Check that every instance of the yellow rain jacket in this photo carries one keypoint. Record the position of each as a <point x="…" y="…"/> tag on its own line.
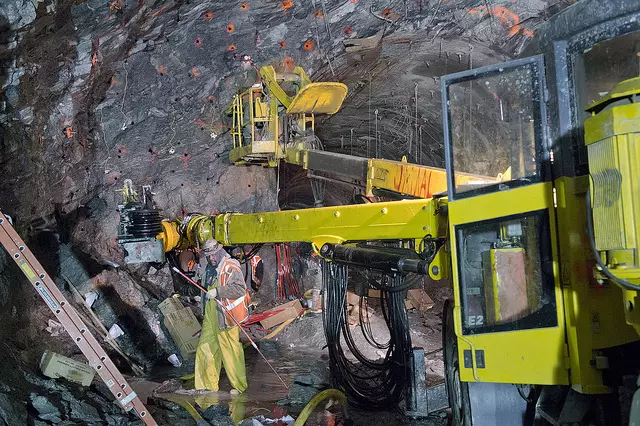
<point x="220" y="345"/>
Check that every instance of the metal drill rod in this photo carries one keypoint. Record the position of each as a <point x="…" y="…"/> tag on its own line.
<point x="190" y="281"/>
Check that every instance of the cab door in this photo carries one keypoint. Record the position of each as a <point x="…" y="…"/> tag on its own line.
<point x="508" y="314"/>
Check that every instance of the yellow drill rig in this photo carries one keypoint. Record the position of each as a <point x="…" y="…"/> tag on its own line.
<point x="543" y="260"/>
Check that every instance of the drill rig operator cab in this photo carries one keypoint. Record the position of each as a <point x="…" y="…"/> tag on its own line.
<point x="542" y="325"/>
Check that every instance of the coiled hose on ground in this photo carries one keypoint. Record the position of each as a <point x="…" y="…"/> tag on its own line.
<point x="325" y="394"/>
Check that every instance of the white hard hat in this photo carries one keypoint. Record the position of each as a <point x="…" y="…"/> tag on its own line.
<point x="211" y="246"/>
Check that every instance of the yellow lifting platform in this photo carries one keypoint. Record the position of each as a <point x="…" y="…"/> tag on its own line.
<point x="261" y="114"/>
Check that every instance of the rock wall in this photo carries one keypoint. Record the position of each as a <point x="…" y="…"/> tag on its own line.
<point x="96" y="91"/>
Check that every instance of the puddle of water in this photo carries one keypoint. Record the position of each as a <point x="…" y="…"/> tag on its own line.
<point x="265" y="389"/>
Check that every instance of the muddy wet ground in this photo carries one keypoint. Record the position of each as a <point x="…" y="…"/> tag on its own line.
<point x="266" y="396"/>
<point x="299" y="357"/>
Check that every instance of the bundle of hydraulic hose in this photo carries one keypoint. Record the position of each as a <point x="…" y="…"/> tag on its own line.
<point x="367" y="383"/>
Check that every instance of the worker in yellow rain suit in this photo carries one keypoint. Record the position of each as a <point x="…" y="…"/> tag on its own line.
<point x="220" y="338"/>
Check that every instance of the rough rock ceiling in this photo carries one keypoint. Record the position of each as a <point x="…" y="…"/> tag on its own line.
<point x="96" y="91"/>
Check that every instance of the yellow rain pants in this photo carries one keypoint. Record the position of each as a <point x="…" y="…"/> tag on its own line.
<point x="218" y="348"/>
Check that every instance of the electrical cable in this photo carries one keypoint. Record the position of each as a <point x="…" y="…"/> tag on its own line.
<point x="365" y="326"/>
<point x="248" y="256"/>
<point x="428" y="253"/>
<point x="626" y="285"/>
<point x="317" y="185"/>
<point x="521" y="392"/>
<point x="368" y="383"/>
<point x="287" y="282"/>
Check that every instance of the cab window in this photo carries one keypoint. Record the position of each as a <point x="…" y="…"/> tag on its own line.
<point x="495" y="125"/>
<point x="506" y="274"/>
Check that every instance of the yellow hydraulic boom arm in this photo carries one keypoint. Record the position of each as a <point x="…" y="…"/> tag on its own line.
<point x="395" y="220"/>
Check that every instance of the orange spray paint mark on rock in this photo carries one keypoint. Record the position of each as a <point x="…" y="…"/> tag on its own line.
<point x="198" y="42"/>
<point x="162" y="70"/>
<point x="116" y="6"/>
<point x="308" y="45"/>
<point x="200" y="123"/>
<point x="159" y="11"/>
<point x="208" y="15"/>
<point x="282" y="44"/>
<point x="244" y="6"/>
<point x="288" y="63"/>
<point x="387" y="12"/>
<point x="511" y="19"/>
<point x="195" y="73"/>
<point x="232" y="47"/>
<point x="122" y="150"/>
<point x="230" y="27"/>
<point x="112" y="178"/>
<point x="154" y="154"/>
<point x="286" y="5"/>
<point x="185" y="158"/>
<point x="319" y="14"/>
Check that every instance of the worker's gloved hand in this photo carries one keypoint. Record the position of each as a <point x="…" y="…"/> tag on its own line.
<point x="211" y="294"/>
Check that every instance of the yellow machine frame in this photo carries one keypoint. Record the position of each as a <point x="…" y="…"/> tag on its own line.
<point x="395" y="176"/>
<point x="594" y="320"/>
<point x="409" y="219"/>
<point x="259" y="112"/>
<point x="588" y="314"/>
